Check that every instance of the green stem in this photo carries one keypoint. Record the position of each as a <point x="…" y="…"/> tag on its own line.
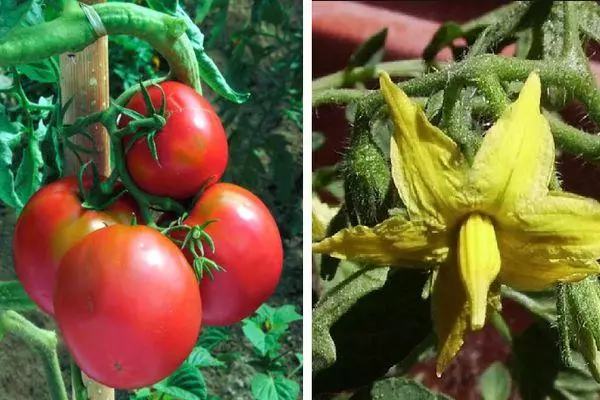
<point x="501" y="326"/>
<point x="42" y="341"/>
<point x="79" y="389"/>
<point x="499" y="30"/>
<point x="412" y="357"/>
<point x="71" y="32"/>
<point x="405" y="68"/>
<point x="337" y="96"/>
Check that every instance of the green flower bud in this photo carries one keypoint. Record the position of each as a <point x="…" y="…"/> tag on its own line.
<point x="579" y="321"/>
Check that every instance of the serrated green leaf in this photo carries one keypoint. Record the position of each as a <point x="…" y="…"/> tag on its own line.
<point x="10" y="137"/>
<point x="13" y="13"/>
<point x="209" y="72"/>
<point x="212" y="336"/>
<point x="41" y="71"/>
<point x="255" y="335"/>
<point x="201" y="358"/>
<point x="187" y="383"/>
<point x="14" y="297"/>
<point x="536" y="365"/>
<point x="202" y="10"/>
<point x="164" y="6"/>
<point x="277" y="387"/>
<point x="495" y="382"/>
<point x="29" y="176"/>
<point x="443" y="37"/>
<point x="370" y="52"/>
<point x="398" y="388"/>
<point x="282" y="317"/>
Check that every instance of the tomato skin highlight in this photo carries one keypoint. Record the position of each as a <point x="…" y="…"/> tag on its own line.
<point x="128" y="306"/>
<point x="247" y="245"/>
<point x="52" y="221"/>
<point x="192" y="146"/>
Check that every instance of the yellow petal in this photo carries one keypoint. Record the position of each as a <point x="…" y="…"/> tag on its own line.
<point x="450" y="313"/>
<point x="322" y="214"/>
<point x="522" y="271"/>
<point x="393" y="241"/>
<point x="427" y="166"/>
<point x="558" y="227"/>
<point x="479" y="262"/>
<point x="517" y="154"/>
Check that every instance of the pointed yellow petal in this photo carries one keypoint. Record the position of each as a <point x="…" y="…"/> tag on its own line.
<point x="534" y="275"/>
<point x="427" y="166"/>
<point x="450" y="313"/>
<point x="558" y="227"/>
<point x="391" y="242"/>
<point x="531" y="270"/>
<point x="516" y="157"/>
<point x="479" y="262"/>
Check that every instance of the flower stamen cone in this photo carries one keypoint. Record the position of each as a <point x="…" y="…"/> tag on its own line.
<point x="479" y="263"/>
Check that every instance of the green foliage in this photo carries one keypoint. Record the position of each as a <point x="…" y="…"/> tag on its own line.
<point x="398" y="388"/>
<point x="495" y="382"/>
<point x="30" y="151"/>
<point x="14" y="297"/>
<point x="264" y="57"/>
<point x="18" y="13"/>
<point x="264" y="331"/>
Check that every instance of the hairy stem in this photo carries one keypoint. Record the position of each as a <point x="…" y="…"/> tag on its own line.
<point x="43" y="342"/>
<point x="71" y="32"/>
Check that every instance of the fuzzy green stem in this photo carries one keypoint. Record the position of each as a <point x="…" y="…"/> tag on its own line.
<point x="499" y="30"/>
<point x="404" y="68"/>
<point x="71" y="32"/>
<point x="337" y="96"/>
<point x="42" y="341"/>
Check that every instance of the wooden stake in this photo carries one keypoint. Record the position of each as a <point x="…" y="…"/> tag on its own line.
<point x="84" y="77"/>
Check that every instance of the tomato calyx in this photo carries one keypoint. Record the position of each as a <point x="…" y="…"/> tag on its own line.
<point x="141" y="125"/>
<point x="95" y="191"/>
<point x="194" y="239"/>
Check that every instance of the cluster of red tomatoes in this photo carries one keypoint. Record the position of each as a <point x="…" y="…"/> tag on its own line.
<point x="125" y="298"/>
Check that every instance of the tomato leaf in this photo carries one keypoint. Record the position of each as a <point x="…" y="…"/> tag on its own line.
<point x="399" y="388"/>
<point x="10" y="137"/>
<point x="202" y="10"/>
<point x="211" y="337"/>
<point x="29" y="174"/>
<point x="41" y="71"/>
<point x="255" y="335"/>
<point x="19" y="13"/>
<point x="370" y="52"/>
<point x="274" y="387"/>
<point x="14" y="297"/>
<point x="187" y="383"/>
<point x="495" y="382"/>
<point x="201" y="358"/>
<point x="165" y="6"/>
<point x="209" y="72"/>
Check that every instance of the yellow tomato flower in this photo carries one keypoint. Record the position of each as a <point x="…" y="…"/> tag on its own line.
<point x="489" y="223"/>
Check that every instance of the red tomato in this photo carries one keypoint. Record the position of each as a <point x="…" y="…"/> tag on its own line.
<point x="192" y="146"/>
<point x="127" y="305"/>
<point x="52" y="221"/>
<point x="247" y="245"/>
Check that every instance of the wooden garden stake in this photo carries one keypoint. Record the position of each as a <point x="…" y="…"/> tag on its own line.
<point x="84" y="78"/>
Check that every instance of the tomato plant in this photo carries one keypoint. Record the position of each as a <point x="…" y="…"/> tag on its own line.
<point x="125" y="292"/>
<point x="52" y="222"/>
<point x="191" y="148"/>
<point x="127" y="305"/>
<point x="252" y="262"/>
